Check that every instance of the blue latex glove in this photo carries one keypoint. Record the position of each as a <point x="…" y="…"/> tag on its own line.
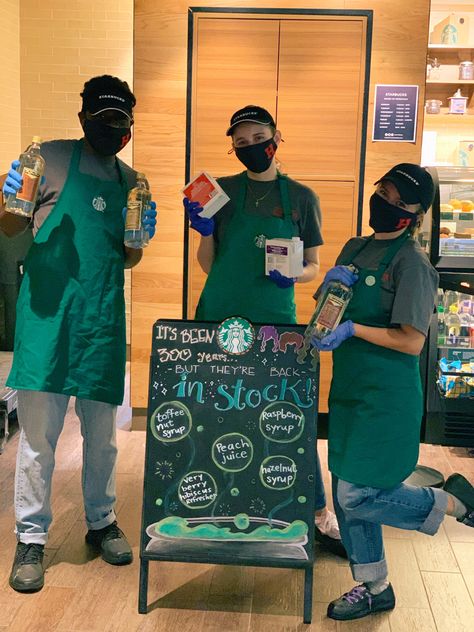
<point x="149" y="219"/>
<point x="13" y="181"/>
<point x="336" y="338"/>
<point x="203" y="225"/>
<point x="342" y="274"/>
<point x="280" y="280"/>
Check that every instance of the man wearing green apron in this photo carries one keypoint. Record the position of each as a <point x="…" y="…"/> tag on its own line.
<point x="263" y="205"/>
<point x="70" y="330"/>
<point x="375" y="402"/>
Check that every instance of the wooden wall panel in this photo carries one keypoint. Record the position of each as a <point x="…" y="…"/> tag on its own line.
<point x="398" y="55"/>
<point x="319" y="96"/>
<point x="233" y="67"/>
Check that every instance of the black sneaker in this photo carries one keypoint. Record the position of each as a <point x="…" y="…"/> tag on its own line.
<point x="27" y="572"/>
<point x="111" y="543"/>
<point x="460" y="487"/>
<point x="334" y="546"/>
<point x="359" y="602"/>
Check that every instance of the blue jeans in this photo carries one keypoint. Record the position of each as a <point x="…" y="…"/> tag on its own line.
<point x="41" y="418"/>
<point x="361" y="511"/>
<point x="319" y="495"/>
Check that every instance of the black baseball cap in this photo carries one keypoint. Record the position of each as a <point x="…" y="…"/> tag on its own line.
<point x="413" y="182"/>
<point x="250" y="114"/>
<point x="108" y="98"/>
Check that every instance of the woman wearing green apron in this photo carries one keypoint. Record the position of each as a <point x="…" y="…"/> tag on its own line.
<point x="263" y="204"/>
<point x="375" y="402"/>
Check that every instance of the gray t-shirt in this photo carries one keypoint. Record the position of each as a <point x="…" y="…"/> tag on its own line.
<point x="306" y="213"/>
<point x="57" y="155"/>
<point x="409" y="284"/>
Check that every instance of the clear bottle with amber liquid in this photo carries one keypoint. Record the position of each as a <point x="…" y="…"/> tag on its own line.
<point x="330" y="308"/>
<point x="138" y="201"/>
<point x="31" y="169"/>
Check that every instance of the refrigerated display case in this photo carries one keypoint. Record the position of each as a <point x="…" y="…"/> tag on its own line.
<point x="448" y="237"/>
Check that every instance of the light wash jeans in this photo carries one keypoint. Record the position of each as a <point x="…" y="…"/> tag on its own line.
<point x="361" y="511"/>
<point x="41" y="418"/>
<point x="319" y="494"/>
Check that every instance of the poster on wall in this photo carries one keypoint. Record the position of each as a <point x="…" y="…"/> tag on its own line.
<point x="395" y="113"/>
<point x="230" y="452"/>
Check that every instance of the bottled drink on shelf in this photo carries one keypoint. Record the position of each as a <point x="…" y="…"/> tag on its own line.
<point x="441" y="326"/>
<point x="453" y="325"/>
<point x="330" y="308"/>
<point x="450" y="298"/>
<point x="31" y="168"/>
<point x="138" y="201"/>
<point x="466" y="321"/>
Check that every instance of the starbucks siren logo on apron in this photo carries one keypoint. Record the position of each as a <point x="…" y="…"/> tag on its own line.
<point x="99" y="203"/>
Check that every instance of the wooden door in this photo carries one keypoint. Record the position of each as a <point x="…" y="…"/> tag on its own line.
<point x="235" y="64"/>
<point x="310" y="74"/>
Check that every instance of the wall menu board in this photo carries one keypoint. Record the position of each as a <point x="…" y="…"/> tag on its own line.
<point x="230" y="452"/>
<point x="395" y="113"/>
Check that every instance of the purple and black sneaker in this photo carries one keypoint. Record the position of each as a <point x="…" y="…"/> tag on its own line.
<point x="460" y="487"/>
<point x="359" y="602"/>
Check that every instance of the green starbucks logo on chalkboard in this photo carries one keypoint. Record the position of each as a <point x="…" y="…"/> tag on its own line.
<point x="235" y="335"/>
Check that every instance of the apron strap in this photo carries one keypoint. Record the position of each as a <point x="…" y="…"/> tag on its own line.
<point x="394" y="248"/>
<point x="348" y="260"/>
<point x="76" y="157"/>
<point x="284" y="194"/>
<point x="389" y="254"/>
<point x="242" y="192"/>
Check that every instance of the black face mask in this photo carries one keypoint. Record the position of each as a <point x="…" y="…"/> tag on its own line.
<point x="257" y="158"/>
<point x="106" y="140"/>
<point x="387" y="218"/>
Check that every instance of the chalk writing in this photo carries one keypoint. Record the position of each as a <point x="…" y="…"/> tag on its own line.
<point x="171" y="421"/>
<point x="197" y="490"/>
<point x="281" y="422"/>
<point x="278" y="472"/>
<point x="232" y="452"/>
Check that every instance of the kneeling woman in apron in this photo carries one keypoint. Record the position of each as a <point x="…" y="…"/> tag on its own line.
<point x="375" y="402"/>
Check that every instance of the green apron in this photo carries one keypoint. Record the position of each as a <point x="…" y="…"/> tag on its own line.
<point x="236" y="284"/>
<point x="70" y="330"/>
<point x="375" y="401"/>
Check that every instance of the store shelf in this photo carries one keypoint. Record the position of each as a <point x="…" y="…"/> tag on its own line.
<point x="448" y="47"/>
<point x="445" y="116"/>
<point x="458" y="82"/>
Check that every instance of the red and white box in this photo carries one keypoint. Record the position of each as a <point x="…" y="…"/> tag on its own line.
<point x="205" y="190"/>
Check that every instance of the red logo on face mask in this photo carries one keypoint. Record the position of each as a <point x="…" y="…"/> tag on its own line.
<point x="403" y="223"/>
<point x="270" y="151"/>
<point x="125" y="140"/>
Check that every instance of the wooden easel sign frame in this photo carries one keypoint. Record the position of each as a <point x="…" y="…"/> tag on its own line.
<point x="230" y="450"/>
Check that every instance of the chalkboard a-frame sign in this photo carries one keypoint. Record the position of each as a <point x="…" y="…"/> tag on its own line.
<point x="230" y="448"/>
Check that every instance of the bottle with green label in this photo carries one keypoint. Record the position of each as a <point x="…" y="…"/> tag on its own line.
<point x="441" y="325"/>
<point x="138" y="201"/>
<point x="330" y="308"/>
<point x="31" y="168"/>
